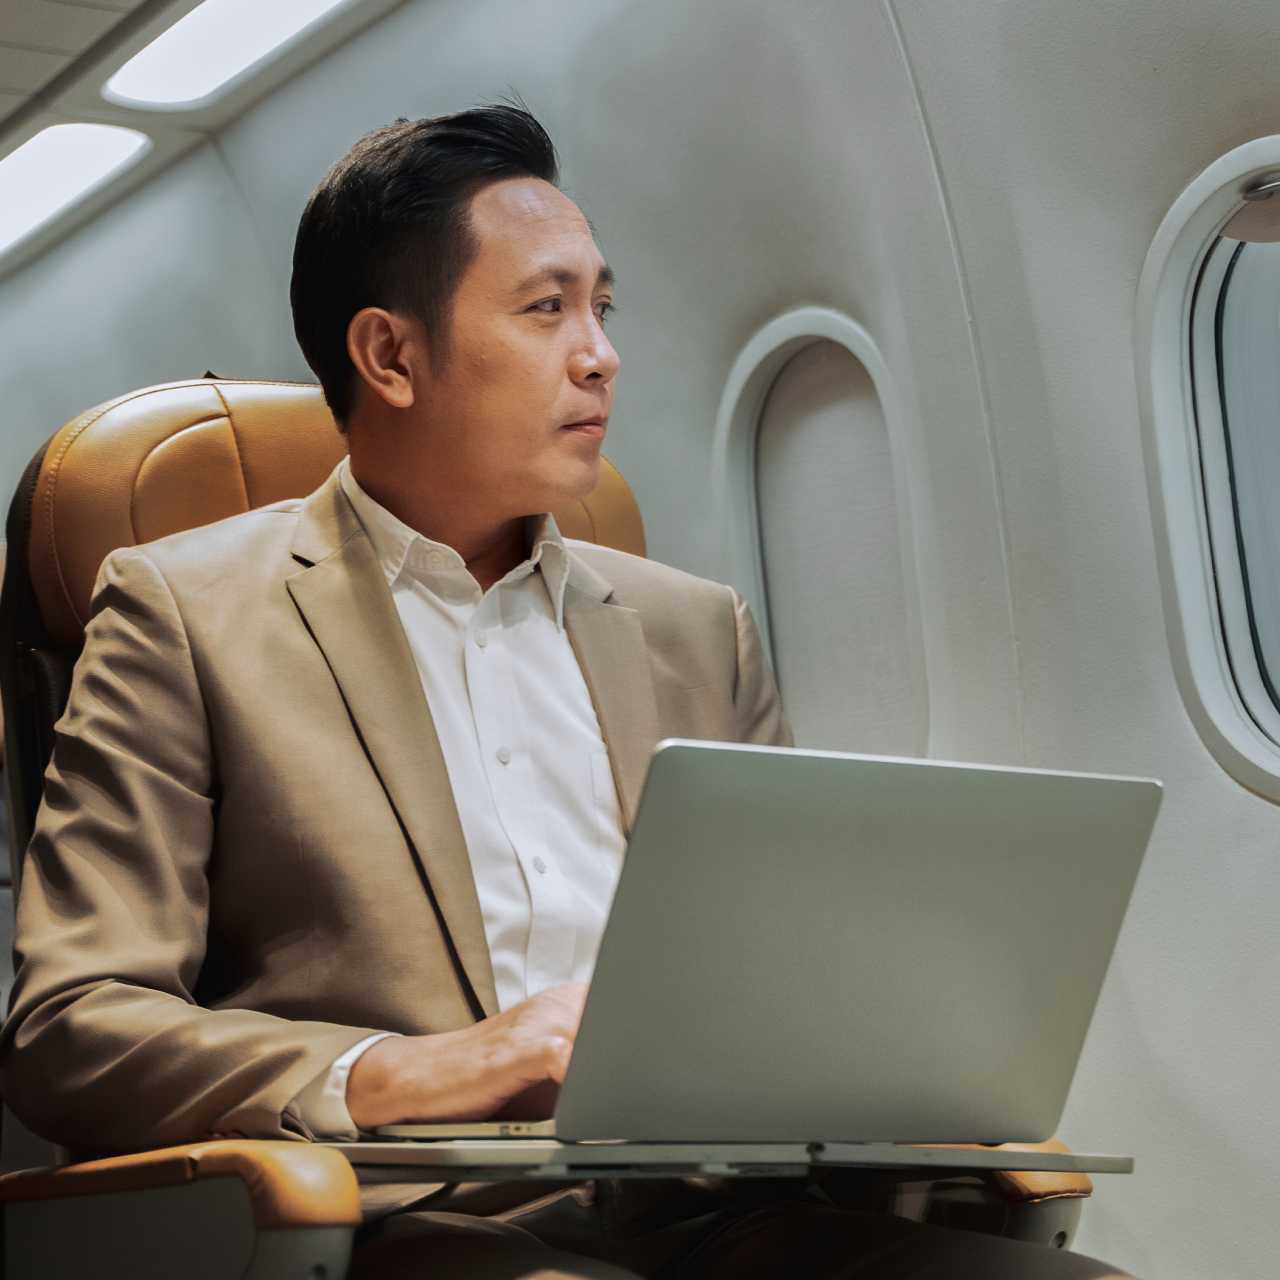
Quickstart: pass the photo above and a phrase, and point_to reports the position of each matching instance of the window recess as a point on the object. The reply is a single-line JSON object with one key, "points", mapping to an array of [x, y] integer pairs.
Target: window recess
{"points": [[812, 473], [1208, 365]]}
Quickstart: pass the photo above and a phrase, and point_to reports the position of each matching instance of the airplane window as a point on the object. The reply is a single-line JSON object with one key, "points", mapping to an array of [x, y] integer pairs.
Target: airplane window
{"points": [[1246, 322], [832, 551], [1207, 338]]}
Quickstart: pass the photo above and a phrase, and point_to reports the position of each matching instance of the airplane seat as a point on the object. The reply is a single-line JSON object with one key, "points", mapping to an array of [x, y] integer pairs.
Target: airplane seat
{"points": [[140, 466]]}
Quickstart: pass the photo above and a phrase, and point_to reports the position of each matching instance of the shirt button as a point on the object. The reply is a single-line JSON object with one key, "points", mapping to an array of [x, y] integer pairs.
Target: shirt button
{"points": [[482, 638], [504, 755], [436, 559], [539, 865]]}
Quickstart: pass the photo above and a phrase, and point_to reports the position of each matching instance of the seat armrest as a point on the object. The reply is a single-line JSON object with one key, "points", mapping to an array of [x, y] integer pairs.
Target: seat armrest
{"points": [[290, 1184], [1030, 1185]]}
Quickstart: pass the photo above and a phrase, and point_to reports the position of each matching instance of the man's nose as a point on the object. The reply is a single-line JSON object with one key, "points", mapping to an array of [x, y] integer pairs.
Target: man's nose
{"points": [[595, 361]]}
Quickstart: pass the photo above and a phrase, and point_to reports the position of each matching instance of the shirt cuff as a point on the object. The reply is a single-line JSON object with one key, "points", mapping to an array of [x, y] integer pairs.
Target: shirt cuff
{"points": [[322, 1105]]}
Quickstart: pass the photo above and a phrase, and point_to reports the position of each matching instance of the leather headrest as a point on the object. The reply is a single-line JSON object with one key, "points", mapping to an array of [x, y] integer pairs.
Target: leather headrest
{"points": [[183, 454]]}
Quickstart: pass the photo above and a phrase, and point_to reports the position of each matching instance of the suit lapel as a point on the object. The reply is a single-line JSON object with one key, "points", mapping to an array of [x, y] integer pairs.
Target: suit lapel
{"points": [[343, 596], [609, 643]]}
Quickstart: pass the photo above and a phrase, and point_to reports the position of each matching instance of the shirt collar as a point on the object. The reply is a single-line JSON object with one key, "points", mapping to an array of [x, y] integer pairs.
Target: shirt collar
{"points": [[403, 550]]}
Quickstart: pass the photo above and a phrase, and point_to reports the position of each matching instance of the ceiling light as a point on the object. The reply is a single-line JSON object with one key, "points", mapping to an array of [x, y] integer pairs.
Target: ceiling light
{"points": [[211, 46], [57, 167]]}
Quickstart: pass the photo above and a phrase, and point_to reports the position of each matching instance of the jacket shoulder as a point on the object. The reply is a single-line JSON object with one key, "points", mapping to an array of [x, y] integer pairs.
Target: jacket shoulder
{"points": [[648, 584], [241, 546]]}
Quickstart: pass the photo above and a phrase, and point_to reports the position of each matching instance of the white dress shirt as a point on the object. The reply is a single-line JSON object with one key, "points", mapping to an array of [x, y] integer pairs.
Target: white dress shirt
{"points": [[526, 761]]}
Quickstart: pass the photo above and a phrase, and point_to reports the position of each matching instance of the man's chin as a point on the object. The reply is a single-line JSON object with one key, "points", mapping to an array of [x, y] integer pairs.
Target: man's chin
{"points": [[574, 481]]}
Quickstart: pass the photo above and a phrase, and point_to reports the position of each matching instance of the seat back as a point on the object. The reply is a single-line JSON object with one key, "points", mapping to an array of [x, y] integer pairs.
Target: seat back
{"points": [[151, 463]]}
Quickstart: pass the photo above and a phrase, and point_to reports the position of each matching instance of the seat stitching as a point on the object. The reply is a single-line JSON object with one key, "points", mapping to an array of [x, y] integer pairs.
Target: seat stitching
{"points": [[235, 444], [159, 444]]}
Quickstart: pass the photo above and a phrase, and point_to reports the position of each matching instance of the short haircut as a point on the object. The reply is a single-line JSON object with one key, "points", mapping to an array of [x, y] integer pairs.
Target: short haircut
{"points": [[388, 227]]}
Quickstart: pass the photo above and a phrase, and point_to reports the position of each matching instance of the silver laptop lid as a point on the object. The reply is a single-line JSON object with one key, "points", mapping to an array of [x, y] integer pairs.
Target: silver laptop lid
{"points": [[814, 946]]}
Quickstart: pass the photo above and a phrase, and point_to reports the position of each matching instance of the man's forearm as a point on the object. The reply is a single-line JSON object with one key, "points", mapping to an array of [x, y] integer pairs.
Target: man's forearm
{"points": [[152, 1070]]}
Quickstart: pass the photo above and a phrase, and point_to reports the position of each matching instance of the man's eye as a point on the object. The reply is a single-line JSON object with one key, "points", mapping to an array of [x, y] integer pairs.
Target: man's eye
{"points": [[554, 306]]}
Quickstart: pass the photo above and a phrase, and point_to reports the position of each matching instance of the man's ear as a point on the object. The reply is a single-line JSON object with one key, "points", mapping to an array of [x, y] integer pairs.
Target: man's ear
{"points": [[380, 346]]}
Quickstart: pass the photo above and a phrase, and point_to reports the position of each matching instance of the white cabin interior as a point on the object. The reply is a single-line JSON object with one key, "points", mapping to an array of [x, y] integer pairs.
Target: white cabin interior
{"points": [[887, 368]]}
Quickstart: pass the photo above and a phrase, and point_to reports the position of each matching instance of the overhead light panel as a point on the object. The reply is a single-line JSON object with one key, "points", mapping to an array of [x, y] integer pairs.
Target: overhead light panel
{"points": [[59, 166], [214, 44]]}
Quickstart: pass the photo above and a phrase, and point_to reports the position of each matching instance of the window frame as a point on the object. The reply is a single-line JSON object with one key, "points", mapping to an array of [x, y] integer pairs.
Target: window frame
{"points": [[1202, 582]]}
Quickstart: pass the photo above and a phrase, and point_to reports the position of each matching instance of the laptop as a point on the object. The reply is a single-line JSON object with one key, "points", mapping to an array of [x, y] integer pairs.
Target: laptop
{"points": [[813, 946]]}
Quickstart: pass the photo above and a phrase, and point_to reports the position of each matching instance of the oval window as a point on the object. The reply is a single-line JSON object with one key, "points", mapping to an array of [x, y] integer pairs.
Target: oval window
{"points": [[1208, 360]]}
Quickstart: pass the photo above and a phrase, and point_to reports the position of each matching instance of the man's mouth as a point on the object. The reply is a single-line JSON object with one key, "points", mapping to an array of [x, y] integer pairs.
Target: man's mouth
{"points": [[593, 427]]}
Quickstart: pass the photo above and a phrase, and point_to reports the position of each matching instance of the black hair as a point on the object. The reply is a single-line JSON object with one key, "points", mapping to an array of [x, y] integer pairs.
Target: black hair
{"points": [[388, 227]]}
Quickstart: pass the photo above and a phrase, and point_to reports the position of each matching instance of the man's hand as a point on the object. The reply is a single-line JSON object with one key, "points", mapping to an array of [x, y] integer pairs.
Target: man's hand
{"points": [[470, 1074]]}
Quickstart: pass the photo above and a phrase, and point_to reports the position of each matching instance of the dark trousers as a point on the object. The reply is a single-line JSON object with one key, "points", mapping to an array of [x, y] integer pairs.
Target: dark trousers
{"points": [[686, 1230]]}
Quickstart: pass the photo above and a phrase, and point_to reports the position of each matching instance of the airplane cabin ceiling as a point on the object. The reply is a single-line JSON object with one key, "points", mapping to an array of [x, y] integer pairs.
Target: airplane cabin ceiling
{"points": [[40, 39], [55, 56]]}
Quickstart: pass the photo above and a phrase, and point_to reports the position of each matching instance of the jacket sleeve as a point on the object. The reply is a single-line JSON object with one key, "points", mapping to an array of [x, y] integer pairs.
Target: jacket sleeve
{"points": [[105, 1048], [755, 694]]}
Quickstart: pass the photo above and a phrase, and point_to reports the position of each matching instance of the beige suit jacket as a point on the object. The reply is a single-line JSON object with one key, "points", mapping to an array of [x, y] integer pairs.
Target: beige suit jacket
{"points": [[249, 858]]}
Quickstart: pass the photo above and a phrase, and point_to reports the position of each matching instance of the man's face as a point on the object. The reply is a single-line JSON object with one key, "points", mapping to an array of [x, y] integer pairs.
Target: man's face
{"points": [[528, 361]]}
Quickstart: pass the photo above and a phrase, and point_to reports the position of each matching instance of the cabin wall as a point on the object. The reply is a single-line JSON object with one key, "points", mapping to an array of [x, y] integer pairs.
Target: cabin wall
{"points": [[164, 285], [1065, 133], [975, 186]]}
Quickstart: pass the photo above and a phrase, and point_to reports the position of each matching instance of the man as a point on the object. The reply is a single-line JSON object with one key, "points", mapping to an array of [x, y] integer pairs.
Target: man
{"points": [[339, 798]]}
